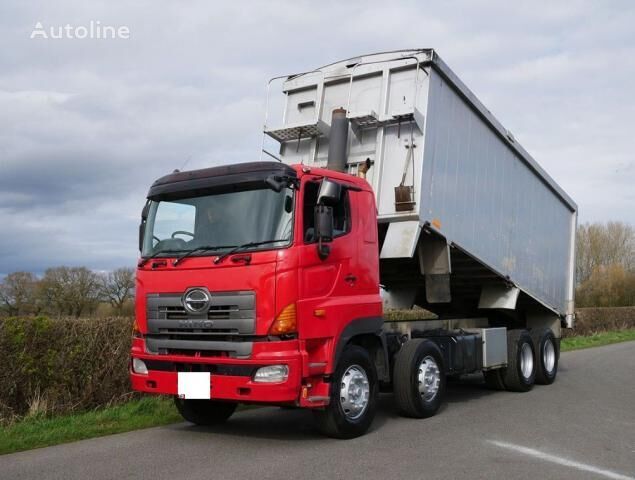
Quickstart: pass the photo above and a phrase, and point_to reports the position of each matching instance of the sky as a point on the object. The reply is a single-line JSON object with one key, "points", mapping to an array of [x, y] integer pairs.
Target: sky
{"points": [[86, 125]]}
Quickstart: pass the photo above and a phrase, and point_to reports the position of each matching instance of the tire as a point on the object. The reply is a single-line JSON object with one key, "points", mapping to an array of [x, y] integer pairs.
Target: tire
{"points": [[547, 351], [351, 410], [419, 378], [520, 373], [493, 379], [205, 412]]}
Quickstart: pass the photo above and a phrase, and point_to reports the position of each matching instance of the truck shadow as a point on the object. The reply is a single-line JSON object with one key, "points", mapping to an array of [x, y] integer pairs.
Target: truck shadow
{"points": [[292, 424]]}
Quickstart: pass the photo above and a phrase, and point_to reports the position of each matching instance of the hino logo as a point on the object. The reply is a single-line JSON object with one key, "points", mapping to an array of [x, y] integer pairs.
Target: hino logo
{"points": [[196, 300], [196, 323]]}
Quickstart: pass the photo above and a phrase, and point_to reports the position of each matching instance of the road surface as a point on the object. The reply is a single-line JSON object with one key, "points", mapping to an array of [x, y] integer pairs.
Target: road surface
{"points": [[581, 427]]}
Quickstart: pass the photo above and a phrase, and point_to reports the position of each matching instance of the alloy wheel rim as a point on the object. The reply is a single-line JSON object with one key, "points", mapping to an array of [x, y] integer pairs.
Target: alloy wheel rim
{"points": [[526, 360], [354, 392], [549, 356], [428, 378]]}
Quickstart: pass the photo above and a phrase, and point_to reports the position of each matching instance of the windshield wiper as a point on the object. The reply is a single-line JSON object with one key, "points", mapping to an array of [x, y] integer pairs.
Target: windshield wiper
{"points": [[222, 257], [200, 249], [155, 255]]}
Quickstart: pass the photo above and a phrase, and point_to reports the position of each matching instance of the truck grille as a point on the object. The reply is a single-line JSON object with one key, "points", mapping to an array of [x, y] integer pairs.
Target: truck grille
{"points": [[219, 312], [224, 329]]}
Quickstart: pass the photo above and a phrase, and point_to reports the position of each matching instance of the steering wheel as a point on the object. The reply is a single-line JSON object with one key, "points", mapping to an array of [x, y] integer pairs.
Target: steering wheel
{"points": [[182, 232]]}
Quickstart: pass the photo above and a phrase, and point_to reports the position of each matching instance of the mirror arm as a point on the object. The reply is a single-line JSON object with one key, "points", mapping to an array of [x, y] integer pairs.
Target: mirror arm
{"points": [[323, 250]]}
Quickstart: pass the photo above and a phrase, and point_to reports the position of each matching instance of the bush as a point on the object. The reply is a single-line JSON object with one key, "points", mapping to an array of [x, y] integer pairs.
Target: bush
{"points": [[62, 365], [593, 320], [611, 286]]}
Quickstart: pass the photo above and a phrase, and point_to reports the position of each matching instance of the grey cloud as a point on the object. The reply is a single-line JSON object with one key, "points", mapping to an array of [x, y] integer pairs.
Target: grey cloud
{"points": [[86, 126]]}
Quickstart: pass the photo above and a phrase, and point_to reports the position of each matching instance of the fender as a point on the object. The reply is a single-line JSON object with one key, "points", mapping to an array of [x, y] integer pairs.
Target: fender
{"points": [[365, 326]]}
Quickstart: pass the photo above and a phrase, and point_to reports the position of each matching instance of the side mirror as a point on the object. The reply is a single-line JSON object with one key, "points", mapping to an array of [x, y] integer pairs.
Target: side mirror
{"points": [[330, 192], [323, 229], [142, 225], [142, 231]]}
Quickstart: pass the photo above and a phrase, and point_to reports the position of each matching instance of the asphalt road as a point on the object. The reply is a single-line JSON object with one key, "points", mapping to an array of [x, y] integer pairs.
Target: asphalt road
{"points": [[581, 427]]}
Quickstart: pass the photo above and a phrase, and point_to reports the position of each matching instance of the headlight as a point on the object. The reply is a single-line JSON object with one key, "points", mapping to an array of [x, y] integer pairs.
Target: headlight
{"points": [[139, 366], [272, 374]]}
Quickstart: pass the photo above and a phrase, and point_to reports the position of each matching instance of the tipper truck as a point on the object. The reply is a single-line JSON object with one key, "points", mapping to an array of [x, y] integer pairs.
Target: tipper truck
{"points": [[391, 187]]}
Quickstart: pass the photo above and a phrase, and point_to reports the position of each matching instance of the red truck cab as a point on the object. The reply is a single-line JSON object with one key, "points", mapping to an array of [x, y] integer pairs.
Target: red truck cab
{"points": [[261, 278]]}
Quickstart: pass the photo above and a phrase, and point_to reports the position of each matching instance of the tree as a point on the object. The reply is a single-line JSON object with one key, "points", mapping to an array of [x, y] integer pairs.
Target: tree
{"points": [[605, 264], [18, 293], [117, 287], [610, 286], [70, 291], [603, 245]]}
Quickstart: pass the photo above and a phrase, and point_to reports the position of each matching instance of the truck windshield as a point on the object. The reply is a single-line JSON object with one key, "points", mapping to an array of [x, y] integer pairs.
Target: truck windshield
{"points": [[214, 223]]}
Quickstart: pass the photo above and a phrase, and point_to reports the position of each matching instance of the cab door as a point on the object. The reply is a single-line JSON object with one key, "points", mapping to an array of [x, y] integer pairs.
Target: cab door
{"points": [[327, 287]]}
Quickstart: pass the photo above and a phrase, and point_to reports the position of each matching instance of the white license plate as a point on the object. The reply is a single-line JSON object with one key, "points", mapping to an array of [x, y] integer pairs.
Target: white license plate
{"points": [[194, 385]]}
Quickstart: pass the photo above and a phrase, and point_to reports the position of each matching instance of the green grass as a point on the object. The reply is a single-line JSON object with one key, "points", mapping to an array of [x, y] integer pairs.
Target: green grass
{"points": [[597, 340], [35, 432]]}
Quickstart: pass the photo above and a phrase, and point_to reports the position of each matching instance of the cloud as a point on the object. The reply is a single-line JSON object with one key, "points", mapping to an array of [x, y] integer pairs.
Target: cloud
{"points": [[87, 125]]}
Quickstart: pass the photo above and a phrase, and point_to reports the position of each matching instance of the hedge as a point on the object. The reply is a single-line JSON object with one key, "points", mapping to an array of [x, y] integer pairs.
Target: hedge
{"points": [[52, 366], [593, 320]]}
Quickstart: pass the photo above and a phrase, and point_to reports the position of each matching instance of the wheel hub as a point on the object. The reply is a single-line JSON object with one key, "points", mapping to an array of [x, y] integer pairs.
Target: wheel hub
{"points": [[354, 392], [549, 356], [526, 360], [429, 378]]}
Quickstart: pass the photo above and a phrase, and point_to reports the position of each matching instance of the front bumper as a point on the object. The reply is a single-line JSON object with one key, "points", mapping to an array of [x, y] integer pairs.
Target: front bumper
{"points": [[231, 378]]}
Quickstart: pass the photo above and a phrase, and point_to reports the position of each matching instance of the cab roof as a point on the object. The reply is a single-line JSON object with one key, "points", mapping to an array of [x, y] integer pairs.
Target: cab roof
{"points": [[197, 182]]}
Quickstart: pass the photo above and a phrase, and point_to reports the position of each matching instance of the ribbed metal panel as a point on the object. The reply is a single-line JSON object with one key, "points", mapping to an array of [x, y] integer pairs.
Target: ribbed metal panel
{"points": [[489, 202]]}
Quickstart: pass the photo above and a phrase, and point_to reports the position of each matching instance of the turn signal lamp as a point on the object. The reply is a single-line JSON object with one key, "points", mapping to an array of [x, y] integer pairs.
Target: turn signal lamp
{"points": [[135, 330], [285, 323]]}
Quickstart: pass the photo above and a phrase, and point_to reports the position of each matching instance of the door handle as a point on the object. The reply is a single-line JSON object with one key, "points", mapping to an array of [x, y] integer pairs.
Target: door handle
{"points": [[350, 278]]}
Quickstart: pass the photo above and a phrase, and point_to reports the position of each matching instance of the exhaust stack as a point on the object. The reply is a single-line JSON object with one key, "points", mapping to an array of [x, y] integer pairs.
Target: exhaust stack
{"points": [[338, 141]]}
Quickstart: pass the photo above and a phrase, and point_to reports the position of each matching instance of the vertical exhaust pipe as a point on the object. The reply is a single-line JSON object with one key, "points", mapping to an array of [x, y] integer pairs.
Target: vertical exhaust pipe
{"points": [[338, 141]]}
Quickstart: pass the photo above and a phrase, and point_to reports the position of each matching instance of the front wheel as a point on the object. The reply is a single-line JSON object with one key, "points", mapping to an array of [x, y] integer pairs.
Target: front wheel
{"points": [[352, 405], [204, 412]]}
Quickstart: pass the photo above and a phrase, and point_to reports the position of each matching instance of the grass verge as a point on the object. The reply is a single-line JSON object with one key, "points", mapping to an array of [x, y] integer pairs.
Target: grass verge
{"points": [[597, 340], [35, 432]]}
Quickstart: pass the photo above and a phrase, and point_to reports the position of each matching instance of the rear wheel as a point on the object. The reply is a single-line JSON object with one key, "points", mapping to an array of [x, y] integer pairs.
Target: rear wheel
{"points": [[547, 353], [520, 373], [352, 406], [204, 412], [419, 378]]}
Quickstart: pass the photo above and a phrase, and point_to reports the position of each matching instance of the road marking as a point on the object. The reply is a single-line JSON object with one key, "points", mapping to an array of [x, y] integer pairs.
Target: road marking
{"points": [[560, 460]]}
